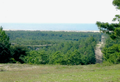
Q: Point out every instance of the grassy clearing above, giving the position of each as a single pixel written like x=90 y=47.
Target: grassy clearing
x=59 y=73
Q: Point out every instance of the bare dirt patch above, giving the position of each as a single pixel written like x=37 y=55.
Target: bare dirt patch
x=9 y=67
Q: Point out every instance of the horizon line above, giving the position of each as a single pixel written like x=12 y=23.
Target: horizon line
x=54 y=30
x=47 y=23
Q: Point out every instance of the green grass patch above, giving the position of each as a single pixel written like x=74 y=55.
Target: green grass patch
x=59 y=73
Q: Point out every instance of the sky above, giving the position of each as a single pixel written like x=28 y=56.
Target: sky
x=56 y=11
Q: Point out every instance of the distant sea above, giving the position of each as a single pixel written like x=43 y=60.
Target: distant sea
x=49 y=27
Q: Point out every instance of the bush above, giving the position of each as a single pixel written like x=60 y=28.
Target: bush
x=112 y=54
x=18 y=53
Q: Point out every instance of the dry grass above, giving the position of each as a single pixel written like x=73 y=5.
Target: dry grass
x=59 y=73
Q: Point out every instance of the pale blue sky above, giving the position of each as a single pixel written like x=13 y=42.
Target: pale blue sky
x=56 y=11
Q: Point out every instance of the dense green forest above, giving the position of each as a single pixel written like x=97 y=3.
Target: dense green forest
x=50 y=47
x=47 y=37
x=74 y=52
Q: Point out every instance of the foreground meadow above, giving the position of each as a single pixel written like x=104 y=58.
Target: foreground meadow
x=59 y=73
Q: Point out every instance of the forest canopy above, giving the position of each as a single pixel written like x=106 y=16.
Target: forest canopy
x=48 y=47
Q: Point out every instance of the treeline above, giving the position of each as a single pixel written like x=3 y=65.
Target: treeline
x=37 y=47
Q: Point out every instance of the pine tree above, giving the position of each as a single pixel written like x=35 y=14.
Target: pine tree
x=113 y=29
x=4 y=47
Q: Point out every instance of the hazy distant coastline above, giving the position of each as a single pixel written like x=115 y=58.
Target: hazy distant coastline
x=50 y=27
x=51 y=30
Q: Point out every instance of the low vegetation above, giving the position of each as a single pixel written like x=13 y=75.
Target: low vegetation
x=59 y=73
